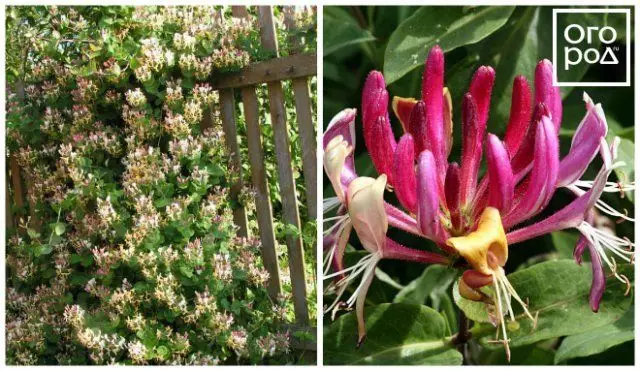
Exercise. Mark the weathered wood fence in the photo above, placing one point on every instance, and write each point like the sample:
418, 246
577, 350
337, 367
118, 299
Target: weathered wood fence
297, 68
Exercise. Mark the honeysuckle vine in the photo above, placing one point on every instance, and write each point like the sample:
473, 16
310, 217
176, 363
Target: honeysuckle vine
127, 253
472, 219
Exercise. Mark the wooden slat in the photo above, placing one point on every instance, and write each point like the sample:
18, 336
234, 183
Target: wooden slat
239, 11
263, 200
16, 182
307, 142
259, 180
231, 138
19, 193
8, 215
277, 69
287, 182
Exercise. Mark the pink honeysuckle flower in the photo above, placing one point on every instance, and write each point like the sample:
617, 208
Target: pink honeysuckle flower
368, 217
467, 216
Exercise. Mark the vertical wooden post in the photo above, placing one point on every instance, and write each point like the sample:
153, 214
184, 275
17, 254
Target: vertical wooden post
19, 193
16, 182
239, 11
231, 139
287, 182
259, 181
8, 214
305, 122
307, 142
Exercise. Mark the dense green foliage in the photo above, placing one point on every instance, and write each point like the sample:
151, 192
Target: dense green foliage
412, 312
130, 255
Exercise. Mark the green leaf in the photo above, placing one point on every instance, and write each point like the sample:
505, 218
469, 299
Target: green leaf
559, 292
515, 50
43, 250
341, 30
162, 351
33, 234
59, 228
449, 27
186, 271
565, 243
474, 310
433, 281
597, 340
161, 202
534, 354
401, 334
384, 277
626, 173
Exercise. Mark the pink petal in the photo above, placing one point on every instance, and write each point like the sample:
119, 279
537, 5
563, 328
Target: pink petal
342, 124
428, 204
520, 114
417, 127
573, 214
452, 194
432, 88
404, 173
547, 93
472, 134
396, 251
598, 282
584, 146
448, 122
501, 181
579, 250
523, 157
540, 185
375, 98
399, 219
378, 136
381, 145
480, 88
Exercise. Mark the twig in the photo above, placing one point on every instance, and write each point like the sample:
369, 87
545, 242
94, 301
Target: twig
460, 340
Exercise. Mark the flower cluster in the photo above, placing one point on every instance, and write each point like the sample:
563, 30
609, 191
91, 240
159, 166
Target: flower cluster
130, 256
472, 219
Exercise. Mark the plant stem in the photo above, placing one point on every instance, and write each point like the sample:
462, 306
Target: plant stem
460, 341
463, 330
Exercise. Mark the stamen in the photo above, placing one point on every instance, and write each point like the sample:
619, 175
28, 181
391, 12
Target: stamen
505, 339
329, 258
329, 204
628, 284
341, 222
370, 270
600, 204
356, 266
503, 278
602, 241
367, 264
610, 187
507, 296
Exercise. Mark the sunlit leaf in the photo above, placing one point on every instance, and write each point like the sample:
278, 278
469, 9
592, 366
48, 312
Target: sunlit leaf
449, 27
397, 334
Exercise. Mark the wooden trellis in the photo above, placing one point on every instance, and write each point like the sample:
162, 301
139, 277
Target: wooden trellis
297, 68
